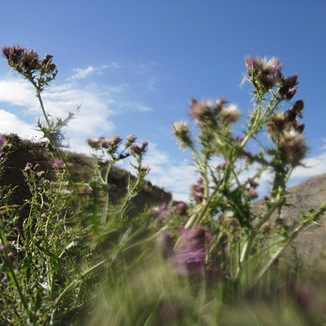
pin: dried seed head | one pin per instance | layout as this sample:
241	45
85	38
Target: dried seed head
229	113
293	147
114	141
95	144
145	168
201	112
130	139
276	125
182	133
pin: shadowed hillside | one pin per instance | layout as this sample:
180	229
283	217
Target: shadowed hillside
19	152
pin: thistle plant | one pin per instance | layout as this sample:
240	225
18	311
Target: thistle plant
43	280
107	153
39	72
246	240
80	252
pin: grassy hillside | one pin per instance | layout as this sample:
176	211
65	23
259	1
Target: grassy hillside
310	244
82	169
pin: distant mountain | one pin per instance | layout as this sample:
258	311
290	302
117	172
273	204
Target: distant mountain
311	243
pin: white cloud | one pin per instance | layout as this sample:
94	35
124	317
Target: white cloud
82	73
311	166
173	175
92	120
10	123
97	105
17	92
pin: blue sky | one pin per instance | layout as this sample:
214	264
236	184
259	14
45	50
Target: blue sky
134	65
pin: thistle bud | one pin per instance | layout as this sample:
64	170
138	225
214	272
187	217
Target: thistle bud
298	107
288	88
300	128
136	150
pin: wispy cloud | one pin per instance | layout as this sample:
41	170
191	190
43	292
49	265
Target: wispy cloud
81	73
311	166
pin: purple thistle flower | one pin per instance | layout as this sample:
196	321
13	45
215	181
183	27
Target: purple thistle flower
265	74
56	163
197	191
163	212
88	191
190	256
180	208
254	194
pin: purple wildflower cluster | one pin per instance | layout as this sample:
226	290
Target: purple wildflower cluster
137	150
188	256
27	62
111	146
188	253
266	74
